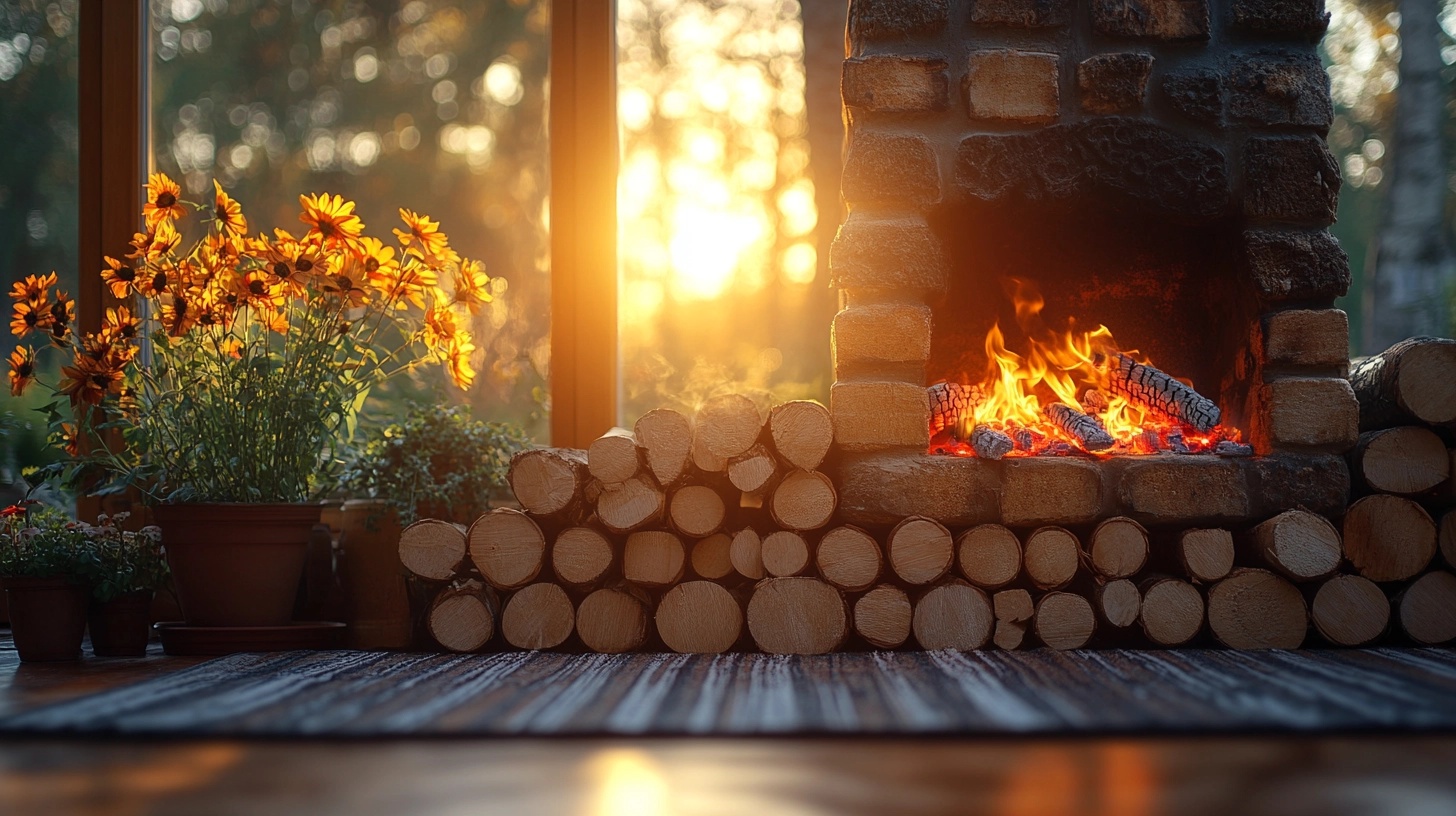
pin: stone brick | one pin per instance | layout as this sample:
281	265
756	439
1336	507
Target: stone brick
890	332
1306	337
1296	265
1321	482
1307	412
895	83
888	167
877	415
1290	179
1050	490
1280	89
1012	86
1300	18
885	487
1155	19
1197	94
886	252
892	19
1021	13
1114	83
1171	489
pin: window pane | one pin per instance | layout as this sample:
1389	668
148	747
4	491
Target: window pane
720	280
437	106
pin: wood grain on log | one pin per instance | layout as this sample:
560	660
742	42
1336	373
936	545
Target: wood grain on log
1064	620
1406	460
849	558
547	481
539	616
785	553
1052	557
1149	388
1389	538
462	617
666	439
728	424
1119	548
630	505
508	548
653	558
612	457
951	407
1172	611
432	549
988	555
921	550
1349	610
711	557
1300	545
612	620
1010	635
797	616
1118	602
1013	605
699	617
696	511
1415	378
1428	609
803	500
581	556
802	432
746	553
1086	431
952	615
883	616
704	459
1257	609
1206	555
754	470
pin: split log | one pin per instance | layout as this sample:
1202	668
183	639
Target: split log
1388	538
989	443
753	471
746	553
1118	602
1349	610
989	555
1119	548
1014	610
462	617
704	459
802	433
1151	389
1206	555
508	548
711	558
883	616
785	553
1009	635
1086	430
849	558
696	511
539	616
1052	557
1256	609
951	407
1172	611
803	500
1428	609
631	505
1405	461
729	424
1413	379
548	481
921	550
699	617
613	620
653	558
1448	538
1299	544
612	457
797	616
581	556
432	549
952	615
1064	621
666	439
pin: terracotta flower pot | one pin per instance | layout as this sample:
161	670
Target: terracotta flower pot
237	564
47	617
120	627
378	608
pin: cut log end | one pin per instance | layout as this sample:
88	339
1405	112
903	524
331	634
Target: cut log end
729	424
508	548
612	457
1413	379
797	616
803	500
1404	461
612	621
988	555
849	558
953	615
1389	538
754	470
711	558
883	616
581	556
699	617
746	553
1206	555
921	550
1119	603
1349	610
802	432
539	616
631	505
1064	621
432	549
1428	609
653	558
1256	609
1119	548
666	439
696	511
1052	557
1299	544
462	617
785	553
1172	611
547	481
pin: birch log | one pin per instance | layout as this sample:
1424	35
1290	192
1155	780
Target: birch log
666	440
548	481
699	617
508	548
802	433
883	616
432	549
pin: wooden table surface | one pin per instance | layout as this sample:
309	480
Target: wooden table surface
1248	776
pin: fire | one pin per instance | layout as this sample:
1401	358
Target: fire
1072	368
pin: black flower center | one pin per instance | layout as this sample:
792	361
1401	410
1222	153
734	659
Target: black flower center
282	269
371	265
304	264
257	288
126	274
165	200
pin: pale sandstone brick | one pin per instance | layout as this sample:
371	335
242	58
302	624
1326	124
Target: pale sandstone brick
1013	86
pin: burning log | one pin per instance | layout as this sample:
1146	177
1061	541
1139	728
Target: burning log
797	616
883	616
1256	609
696	511
613	620
921	550
1052	557
581	556
1299	544
1064	621
1172	611
1388	538
989	555
785	553
952	615
1229	448
1025	439
849	558
1094	401
1206	555
653	558
612	457
432	549
1119	548
746	553
699	617
802	433
1147	387
951	406
1415	378
508	548
1428	609
548	481
1406	460
462	617
1087	430
1118	602
989	443
1350	611
666	439
711	558
539	616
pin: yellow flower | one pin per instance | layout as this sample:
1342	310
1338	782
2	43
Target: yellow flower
157	241
457	360
227	214
163	203
27	317
232	347
346	287
292	262
439	326
472	285
89	381
119	277
121	323
33	289
179	314
332	219
70	439
260	289
424	238
62	312
22	370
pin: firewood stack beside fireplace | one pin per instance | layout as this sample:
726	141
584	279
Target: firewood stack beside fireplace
723	531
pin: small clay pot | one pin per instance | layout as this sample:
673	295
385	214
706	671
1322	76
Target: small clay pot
120	627
47	617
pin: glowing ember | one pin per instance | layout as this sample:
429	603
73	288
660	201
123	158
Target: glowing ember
1072	391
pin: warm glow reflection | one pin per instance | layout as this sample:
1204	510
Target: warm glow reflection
627	783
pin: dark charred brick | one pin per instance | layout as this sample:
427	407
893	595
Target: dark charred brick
1114	83
1290	179
1296	265
1197	94
890	168
1153	19
896	19
1296	18
1280	89
1021	13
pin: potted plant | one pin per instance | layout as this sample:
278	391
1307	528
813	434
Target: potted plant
42	568
125	570
261	352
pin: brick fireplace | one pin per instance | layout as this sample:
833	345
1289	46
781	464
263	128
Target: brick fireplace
1157	166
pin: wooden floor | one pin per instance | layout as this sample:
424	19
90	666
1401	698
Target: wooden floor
1250	776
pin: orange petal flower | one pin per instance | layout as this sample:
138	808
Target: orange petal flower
424	238
227	214
33	289
472	285
22	370
120	278
332	219
163	200
121	323
457	360
27	317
